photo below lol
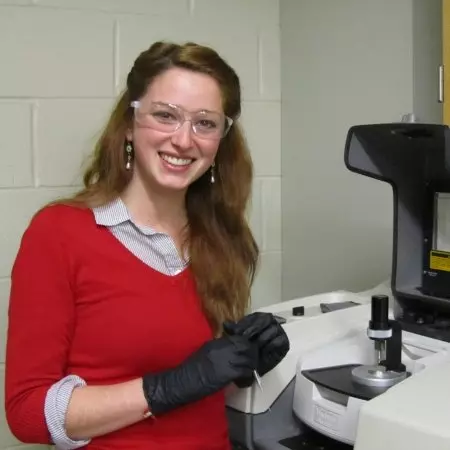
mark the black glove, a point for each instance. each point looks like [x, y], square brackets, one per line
[268, 334]
[216, 364]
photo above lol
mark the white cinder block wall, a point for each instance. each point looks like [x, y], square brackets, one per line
[62, 64]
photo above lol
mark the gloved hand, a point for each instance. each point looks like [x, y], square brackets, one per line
[268, 334]
[216, 364]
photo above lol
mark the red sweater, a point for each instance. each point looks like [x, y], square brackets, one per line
[82, 304]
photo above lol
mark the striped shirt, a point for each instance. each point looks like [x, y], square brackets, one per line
[155, 249]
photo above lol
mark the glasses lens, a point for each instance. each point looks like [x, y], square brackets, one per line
[209, 125]
[163, 117]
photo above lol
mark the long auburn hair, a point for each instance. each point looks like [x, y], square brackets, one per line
[222, 250]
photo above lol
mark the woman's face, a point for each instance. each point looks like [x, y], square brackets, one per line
[168, 153]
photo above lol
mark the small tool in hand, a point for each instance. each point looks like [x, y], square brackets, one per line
[258, 379]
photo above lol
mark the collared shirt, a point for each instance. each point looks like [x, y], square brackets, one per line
[155, 249]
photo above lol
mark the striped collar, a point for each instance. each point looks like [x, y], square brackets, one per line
[115, 213]
[112, 213]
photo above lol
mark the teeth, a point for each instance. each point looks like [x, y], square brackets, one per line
[176, 161]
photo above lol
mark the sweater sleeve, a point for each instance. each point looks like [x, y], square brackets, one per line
[40, 326]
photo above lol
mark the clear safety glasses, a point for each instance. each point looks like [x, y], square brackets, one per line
[169, 118]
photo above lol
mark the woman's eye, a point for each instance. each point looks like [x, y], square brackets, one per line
[206, 123]
[164, 115]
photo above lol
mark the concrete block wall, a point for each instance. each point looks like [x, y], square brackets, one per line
[62, 64]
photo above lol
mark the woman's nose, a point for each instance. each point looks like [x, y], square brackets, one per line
[183, 136]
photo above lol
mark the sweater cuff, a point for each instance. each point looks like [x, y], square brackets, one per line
[55, 409]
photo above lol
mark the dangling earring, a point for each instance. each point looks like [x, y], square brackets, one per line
[129, 150]
[213, 179]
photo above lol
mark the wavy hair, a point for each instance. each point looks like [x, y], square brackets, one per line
[222, 250]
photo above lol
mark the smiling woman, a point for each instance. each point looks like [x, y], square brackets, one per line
[125, 288]
[173, 148]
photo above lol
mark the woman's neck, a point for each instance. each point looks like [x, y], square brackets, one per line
[164, 211]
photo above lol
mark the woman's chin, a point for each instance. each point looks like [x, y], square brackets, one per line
[173, 184]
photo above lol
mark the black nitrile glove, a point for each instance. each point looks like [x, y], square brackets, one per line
[268, 334]
[215, 365]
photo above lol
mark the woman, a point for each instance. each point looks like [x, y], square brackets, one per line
[121, 295]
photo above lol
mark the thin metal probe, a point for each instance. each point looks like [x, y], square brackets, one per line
[258, 380]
